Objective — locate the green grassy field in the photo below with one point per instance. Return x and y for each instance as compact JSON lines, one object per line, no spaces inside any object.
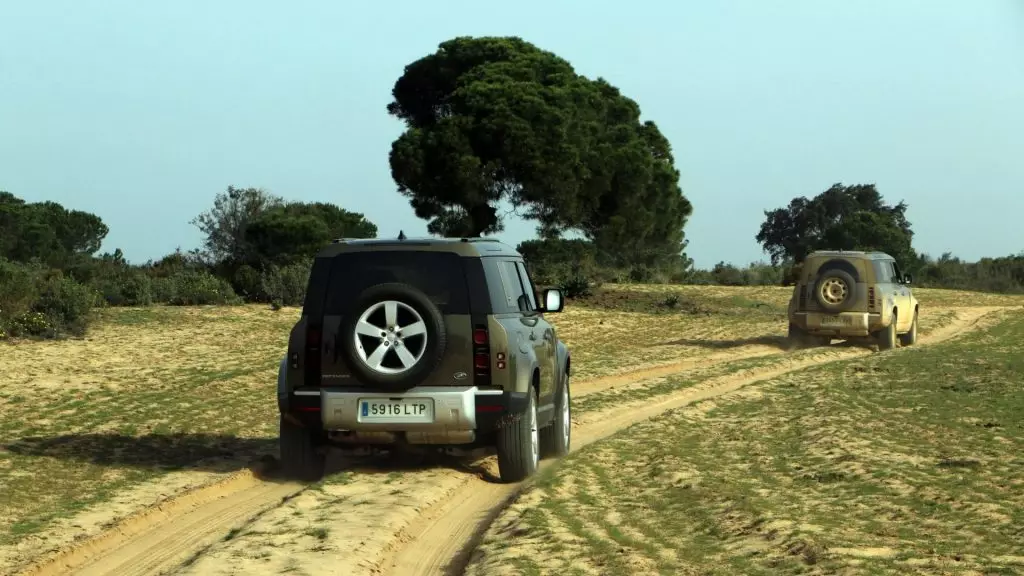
{"x":908,"y":462}
{"x":160,"y":399}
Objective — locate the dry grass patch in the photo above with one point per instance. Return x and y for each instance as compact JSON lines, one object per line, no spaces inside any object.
{"x":190,"y":391}
{"x":148,"y":392}
{"x":898,"y":463}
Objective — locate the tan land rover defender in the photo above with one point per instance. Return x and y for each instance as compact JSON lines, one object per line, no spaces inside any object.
{"x":846,"y":295}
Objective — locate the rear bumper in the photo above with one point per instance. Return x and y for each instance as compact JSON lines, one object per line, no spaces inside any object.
{"x":460,"y":413}
{"x":849,"y":323}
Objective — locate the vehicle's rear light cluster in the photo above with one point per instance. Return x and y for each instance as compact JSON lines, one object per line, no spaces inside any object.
{"x":871,"y":297}
{"x":481,"y":356}
{"x":803,"y":297}
{"x":312,"y":371}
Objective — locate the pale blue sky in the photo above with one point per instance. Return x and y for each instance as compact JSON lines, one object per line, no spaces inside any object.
{"x":142,"y":111}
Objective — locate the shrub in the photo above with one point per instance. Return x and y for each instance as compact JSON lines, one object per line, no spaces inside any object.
{"x":194,"y":288}
{"x":126,"y":287}
{"x":248,"y":283}
{"x":36,"y":301}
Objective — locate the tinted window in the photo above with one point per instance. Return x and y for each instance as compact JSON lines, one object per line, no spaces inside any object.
{"x":438,"y":274}
{"x":527,"y":285}
{"x":511,"y":283}
{"x":313,"y":303}
{"x":897,"y":274}
{"x":883,"y":271}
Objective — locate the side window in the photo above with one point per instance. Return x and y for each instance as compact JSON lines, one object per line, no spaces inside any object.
{"x":531,"y":293}
{"x":883,"y":271}
{"x":897,"y":273}
{"x":510,"y":281}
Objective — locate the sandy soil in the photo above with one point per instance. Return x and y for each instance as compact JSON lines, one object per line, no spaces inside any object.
{"x":416,"y":520}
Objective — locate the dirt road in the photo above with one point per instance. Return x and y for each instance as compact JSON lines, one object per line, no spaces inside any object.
{"x":426,"y":522}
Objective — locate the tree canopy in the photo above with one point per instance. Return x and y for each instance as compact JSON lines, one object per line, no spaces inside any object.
{"x":249,"y":226}
{"x":46,"y":231}
{"x":296,"y":231}
{"x":497,"y":119}
{"x":840,"y":218}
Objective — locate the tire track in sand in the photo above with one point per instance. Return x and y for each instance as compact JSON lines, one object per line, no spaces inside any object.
{"x":437,"y":540}
{"x":164,"y":536}
{"x":443,"y":538}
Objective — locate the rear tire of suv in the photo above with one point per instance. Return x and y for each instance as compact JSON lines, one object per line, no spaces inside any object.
{"x":910,"y":338}
{"x":519,"y":445}
{"x":887,"y":336}
{"x":800,"y":339}
{"x":834,"y":290}
{"x":555,"y":439}
{"x":300,"y":459}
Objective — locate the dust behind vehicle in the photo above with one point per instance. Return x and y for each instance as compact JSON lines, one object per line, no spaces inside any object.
{"x":425,"y":343}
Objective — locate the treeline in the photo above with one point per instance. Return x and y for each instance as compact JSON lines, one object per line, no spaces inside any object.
{"x":258,"y":248}
{"x":579,"y":268}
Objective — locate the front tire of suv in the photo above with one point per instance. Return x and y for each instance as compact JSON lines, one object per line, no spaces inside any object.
{"x":300,"y":459}
{"x":555,"y":439}
{"x":910,"y":338}
{"x":519,"y":445}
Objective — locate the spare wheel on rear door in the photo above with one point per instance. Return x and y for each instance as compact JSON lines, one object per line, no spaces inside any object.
{"x":836,"y":285}
{"x":393,"y":336}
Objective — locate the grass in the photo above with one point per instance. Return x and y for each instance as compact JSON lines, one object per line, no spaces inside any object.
{"x":166,"y":390}
{"x":899,"y":463}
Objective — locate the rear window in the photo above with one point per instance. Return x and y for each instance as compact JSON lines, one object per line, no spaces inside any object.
{"x":438,"y":274}
{"x":811,"y":265}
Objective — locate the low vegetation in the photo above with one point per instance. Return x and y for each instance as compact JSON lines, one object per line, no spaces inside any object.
{"x":159,"y":389}
{"x":899,"y":463}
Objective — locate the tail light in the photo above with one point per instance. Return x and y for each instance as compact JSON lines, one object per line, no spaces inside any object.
{"x":481,"y":356}
{"x":312,"y":371}
{"x":871,"y":297}
{"x":803,"y":296}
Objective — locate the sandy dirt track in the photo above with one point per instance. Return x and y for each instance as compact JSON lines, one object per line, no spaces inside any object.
{"x":442,"y":540}
{"x":433,"y":535}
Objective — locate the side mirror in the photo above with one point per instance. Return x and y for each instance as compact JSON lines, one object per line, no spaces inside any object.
{"x":908,"y":279}
{"x":553,"y":300}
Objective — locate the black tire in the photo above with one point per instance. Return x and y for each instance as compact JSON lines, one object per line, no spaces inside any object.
{"x":300,"y":458}
{"x":834,"y":277}
{"x":887,"y":336}
{"x":800,"y":339}
{"x":910,"y":338}
{"x":556,"y":439}
{"x":437,"y":338}
{"x":516,"y":457}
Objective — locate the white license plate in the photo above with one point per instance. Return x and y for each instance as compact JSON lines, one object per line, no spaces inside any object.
{"x":404,"y":410}
{"x":834,"y":321}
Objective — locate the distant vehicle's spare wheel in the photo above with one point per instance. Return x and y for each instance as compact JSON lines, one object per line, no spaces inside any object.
{"x":834,"y":289}
{"x":392,"y":336}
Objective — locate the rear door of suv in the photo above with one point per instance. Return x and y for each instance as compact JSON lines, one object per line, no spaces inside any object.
{"x":440,"y":275}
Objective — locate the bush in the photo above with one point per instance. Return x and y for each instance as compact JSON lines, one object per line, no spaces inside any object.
{"x":570,"y":265}
{"x":288,"y":284}
{"x":248,"y":283}
{"x":285,"y":285}
{"x":36,"y":301}
{"x":126,"y":287}
{"x":194,"y":288}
